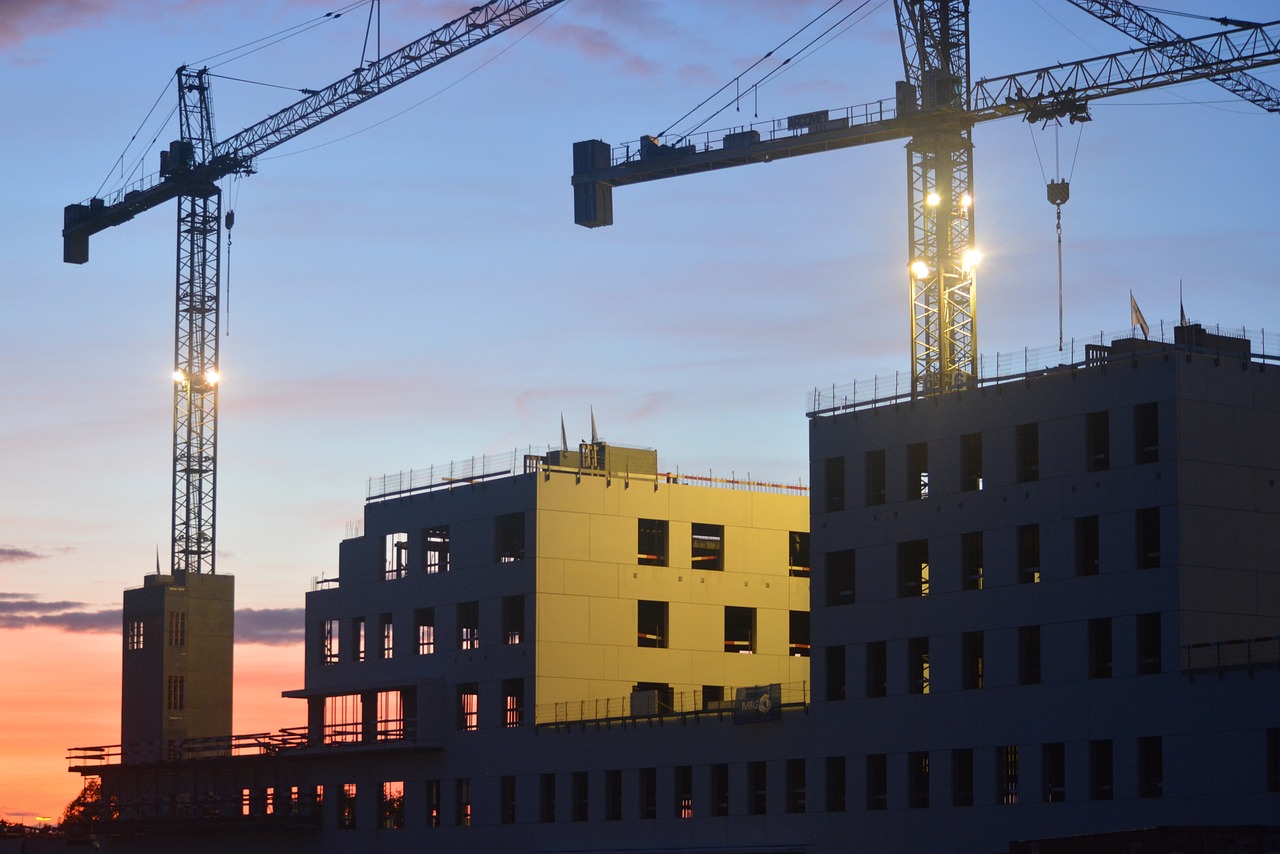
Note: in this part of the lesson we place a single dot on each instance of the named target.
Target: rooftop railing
(643, 705)
(1030, 361)
(1239, 654)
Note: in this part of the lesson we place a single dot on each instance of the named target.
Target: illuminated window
(386, 628)
(342, 717)
(177, 628)
(917, 470)
(918, 665)
(513, 698)
(684, 791)
(135, 635)
(651, 542)
(435, 550)
(330, 641)
(708, 546)
(468, 625)
(512, 619)
(463, 790)
(391, 806)
(397, 558)
(425, 621)
(468, 706)
(390, 716)
(1007, 774)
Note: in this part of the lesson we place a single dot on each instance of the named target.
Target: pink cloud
(24, 19)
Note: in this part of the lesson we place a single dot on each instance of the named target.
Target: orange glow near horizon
(62, 690)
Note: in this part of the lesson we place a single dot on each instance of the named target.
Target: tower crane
(189, 171)
(935, 109)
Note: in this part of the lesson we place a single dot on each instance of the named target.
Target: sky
(406, 285)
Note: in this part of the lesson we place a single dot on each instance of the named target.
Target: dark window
(1053, 765)
(875, 479)
(652, 539)
(684, 791)
(513, 700)
(581, 793)
(739, 629)
(962, 777)
(468, 706)
(1146, 433)
(1007, 774)
(651, 624)
(1097, 441)
(1100, 648)
(913, 568)
(1027, 452)
(833, 484)
(176, 695)
(918, 779)
(720, 789)
(547, 798)
(1029, 554)
(512, 619)
(972, 659)
(834, 656)
(798, 553)
(877, 782)
(708, 546)
(613, 795)
(347, 806)
(1149, 658)
(799, 633)
(468, 625)
(463, 790)
(435, 550)
(841, 577)
(712, 696)
(1273, 759)
(917, 470)
(507, 810)
(971, 462)
(508, 538)
(1029, 655)
(918, 665)
(971, 561)
(177, 628)
(1151, 767)
(357, 639)
(433, 803)
(757, 788)
(836, 785)
(1087, 545)
(877, 669)
(648, 792)
(795, 785)
(1100, 771)
(662, 698)
(1146, 524)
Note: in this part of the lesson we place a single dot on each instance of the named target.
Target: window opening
(795, 785)
(1147, 537)
(513, 699)
(1027, 452)
(135, 635)
(433, 803)
(1029, 655)
(468, 625)
(798, 553)
(390, 716)
(833, 484)
(1053, 765)
(918, 665)
(918, 779)
(1100, 648)
(799, 634)
(1087, 545)
(684, 791)
(913, 568)
(757, 788)
(347, 806)
(1146, 433)
(877, 782)
(468, 707)
(972, 649)
(1007, 774)
(397, 558)
(507, 796)
(1149, 658)
(652, 538)
(391, 805)
(720, 789)
(613, 795)
(971, 561)
(547, 798)
(1029, 554)
(962, 777)
(425, 621)
(357, 638)
(739, 629)
(435, 550)
(835, 664)
(917, 470)
(512, 619)
(1151, 766)
(1100, 770)
(177, 628)
(837, 788)
(651, 624)
(875, 477)
(1097, 441)
(176, 700)
(509, 538)
(648, 793)
(971, 462)
(708, 546)
(386, 629)
(330, 641)
(463, 789)
(342, 718)
(877, 669)
(841, 577)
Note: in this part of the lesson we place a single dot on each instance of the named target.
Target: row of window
(137, 637)
(653, 628)
(913, 558)
(1026, 459)
(585, 796)
(357, 646)
(971, 659)
(653, 547)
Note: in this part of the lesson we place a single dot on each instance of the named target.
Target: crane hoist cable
(1058, 192)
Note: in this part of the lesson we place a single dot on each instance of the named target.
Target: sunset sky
(407, 286)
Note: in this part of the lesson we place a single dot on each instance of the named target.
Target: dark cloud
(13, 554)
(271, 626)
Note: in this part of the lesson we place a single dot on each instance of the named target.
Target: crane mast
(189, 171)
(935, 108)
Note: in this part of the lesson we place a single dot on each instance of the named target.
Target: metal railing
(1239, 654)
(654, 704)
(1030, 361)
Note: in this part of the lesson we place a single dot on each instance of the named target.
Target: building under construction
(1044, 607)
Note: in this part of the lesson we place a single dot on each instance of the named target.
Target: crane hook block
(592, 200)
(1058, 192)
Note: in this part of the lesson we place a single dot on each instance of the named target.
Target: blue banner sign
(757, 705)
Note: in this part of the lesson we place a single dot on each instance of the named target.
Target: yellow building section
(648, 582)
